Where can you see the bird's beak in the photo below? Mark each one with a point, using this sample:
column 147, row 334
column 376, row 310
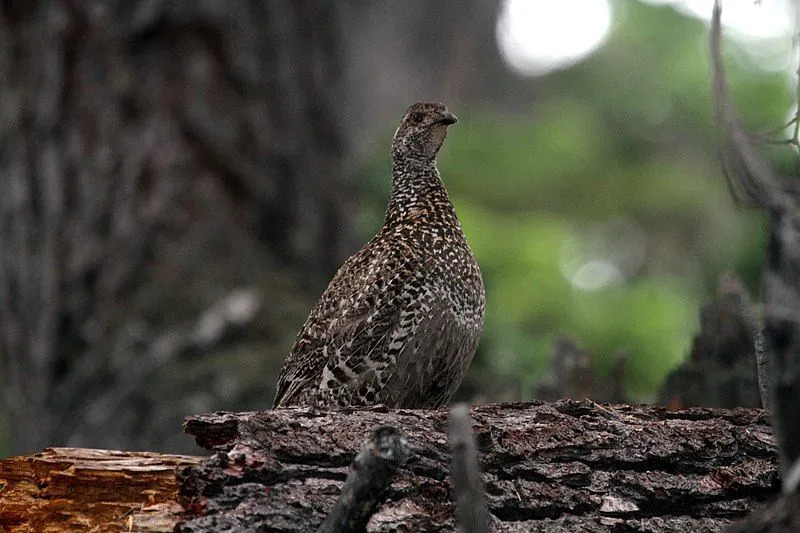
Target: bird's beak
column 447, row 119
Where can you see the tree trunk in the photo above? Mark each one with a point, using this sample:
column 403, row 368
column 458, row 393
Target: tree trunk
column 159, row 160
column 566, row 466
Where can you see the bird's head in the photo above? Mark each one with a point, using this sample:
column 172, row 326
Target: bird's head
column 422, row 131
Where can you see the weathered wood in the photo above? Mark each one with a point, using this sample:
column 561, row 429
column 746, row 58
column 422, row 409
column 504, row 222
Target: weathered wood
column 762, row 367
column 565, row 466
column 77, row 489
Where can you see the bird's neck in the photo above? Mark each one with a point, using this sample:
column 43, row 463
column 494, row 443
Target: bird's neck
column 418, row 195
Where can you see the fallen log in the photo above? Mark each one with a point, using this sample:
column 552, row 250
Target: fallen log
column 78, row 489
column 564, row 466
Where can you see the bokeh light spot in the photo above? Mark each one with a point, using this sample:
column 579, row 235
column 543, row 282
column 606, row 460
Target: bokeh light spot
column 538, row 37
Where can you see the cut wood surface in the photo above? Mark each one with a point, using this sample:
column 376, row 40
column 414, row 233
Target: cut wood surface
column 562, row 467
column 78, row 489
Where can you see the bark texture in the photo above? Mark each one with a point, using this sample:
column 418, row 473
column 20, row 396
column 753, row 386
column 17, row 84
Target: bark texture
column 72, row 489
column 562, row 467
column 469, row 493
column 157, row 158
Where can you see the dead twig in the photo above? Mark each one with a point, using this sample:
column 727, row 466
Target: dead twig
column 472, row 515
column 762, row 367
column 365, row 488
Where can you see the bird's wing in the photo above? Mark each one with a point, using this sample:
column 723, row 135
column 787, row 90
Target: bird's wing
column 413, row 354
column 365, row 353
column 433, row 361
column 344, row 325
column 302, row 370
column 305, row 361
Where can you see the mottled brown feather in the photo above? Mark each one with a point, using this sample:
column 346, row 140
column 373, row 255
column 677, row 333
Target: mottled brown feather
column 400, row 321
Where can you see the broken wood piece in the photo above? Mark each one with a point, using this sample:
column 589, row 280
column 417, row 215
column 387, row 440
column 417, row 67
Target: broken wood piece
column 762, row 367
column 720, row 370
column 68, row 489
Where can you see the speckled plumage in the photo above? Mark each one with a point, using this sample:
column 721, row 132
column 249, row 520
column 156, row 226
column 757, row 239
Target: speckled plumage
column 400, row 321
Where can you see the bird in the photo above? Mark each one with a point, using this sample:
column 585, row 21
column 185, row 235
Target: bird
column 400, row 321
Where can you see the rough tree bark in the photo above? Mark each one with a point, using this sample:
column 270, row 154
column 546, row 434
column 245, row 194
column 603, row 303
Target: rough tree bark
column 567, row 466
column 469, row 493
column 155, row 158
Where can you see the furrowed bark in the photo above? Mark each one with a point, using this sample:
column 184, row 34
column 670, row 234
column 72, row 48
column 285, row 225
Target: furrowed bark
column 547, row 467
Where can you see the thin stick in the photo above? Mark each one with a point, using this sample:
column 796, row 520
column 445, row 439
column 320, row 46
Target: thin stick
column 472, row 515
column 762, row 368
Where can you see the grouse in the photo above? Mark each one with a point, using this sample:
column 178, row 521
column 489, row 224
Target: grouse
column 400, row 322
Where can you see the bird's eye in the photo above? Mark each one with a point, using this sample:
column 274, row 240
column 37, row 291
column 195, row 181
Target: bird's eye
column 417, row 117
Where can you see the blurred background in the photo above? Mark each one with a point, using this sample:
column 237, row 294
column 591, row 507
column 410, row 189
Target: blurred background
column 180, row 179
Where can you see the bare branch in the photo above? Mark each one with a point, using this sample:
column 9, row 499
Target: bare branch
column 762, row 367
column 748, row 176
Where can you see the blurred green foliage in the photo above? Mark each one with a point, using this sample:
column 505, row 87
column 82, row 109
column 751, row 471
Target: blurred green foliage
column 597, row 209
